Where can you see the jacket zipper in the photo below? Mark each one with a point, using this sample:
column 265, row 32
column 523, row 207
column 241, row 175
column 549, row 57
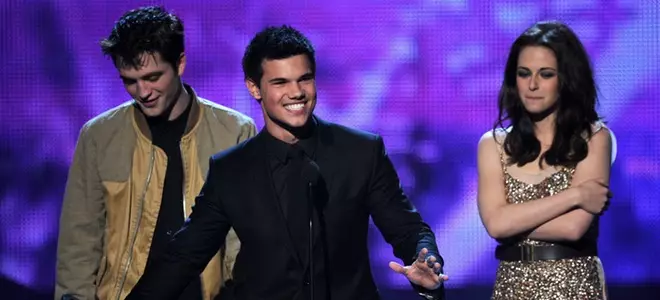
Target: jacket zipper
column 137, row 227
column 183, row 161
column 185, row 215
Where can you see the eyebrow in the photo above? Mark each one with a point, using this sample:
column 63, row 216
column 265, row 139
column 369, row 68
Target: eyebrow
column 278, row 79
column 282, row 79
column 150, row 74
column 541, row 69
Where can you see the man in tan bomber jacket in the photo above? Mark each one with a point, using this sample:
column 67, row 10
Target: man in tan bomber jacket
column 138, row 167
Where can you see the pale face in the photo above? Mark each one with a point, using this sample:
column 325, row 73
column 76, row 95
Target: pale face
column 155, row 85
column 537, row 79
column 287, row 93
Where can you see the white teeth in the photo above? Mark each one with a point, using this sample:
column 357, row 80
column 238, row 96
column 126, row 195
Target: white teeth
column 294, row 107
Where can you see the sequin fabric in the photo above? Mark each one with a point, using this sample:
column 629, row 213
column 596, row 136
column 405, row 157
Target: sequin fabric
column 580, row 278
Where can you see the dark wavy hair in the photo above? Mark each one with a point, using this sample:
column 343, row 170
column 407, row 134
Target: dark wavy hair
column 275, row 42
column 576, row 109
column 145, row 30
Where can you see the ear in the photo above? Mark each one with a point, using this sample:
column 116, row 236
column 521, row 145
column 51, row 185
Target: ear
column 253, row 89
column 182, row 64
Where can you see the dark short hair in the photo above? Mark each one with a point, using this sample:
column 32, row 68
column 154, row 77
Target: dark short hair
column 149, row 30
column 576, row 110
column 275, row 43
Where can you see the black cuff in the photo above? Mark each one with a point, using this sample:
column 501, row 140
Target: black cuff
column 437, row 294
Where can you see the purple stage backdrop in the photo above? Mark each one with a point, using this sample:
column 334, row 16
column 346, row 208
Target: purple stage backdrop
column 424, row 74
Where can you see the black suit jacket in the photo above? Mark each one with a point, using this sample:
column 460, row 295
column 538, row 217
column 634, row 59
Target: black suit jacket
column 357, row 180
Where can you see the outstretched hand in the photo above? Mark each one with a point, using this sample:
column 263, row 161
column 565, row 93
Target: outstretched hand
column 423, row 272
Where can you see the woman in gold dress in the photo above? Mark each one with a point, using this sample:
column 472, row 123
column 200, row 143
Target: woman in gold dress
column 543, row 179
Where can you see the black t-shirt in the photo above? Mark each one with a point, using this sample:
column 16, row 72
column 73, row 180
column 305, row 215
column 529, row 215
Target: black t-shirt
column 166, row 135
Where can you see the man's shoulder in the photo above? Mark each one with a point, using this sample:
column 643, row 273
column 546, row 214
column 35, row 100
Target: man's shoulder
column 349, row 134
column 223, row 113
column 109, row 120
column 234, row 154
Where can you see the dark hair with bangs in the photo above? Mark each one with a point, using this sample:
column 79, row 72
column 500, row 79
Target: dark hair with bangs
column 145, row 30
column 576, row 110
column 275, row 43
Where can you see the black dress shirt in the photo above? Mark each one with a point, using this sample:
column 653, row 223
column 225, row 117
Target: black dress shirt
column 285, row 162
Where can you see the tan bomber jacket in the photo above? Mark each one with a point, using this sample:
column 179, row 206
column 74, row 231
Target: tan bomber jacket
column 113, row 196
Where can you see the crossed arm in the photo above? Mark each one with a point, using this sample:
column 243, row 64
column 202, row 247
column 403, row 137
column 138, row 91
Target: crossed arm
column 554, row 218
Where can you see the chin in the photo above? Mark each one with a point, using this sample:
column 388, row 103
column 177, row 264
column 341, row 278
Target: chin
column 297, row 122
column 152, row 111
column 535, row 108
column 539, row 111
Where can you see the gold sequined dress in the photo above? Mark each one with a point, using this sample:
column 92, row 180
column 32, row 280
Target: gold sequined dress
column 579, row 278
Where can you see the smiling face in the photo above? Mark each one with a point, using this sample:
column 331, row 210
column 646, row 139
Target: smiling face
column 287, row 94
column 155, row 85
column 537, row 79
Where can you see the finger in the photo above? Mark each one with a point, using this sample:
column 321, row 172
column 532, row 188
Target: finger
column 436, row 268
column 443, row 277
column 606, row 205
column 431, row 261
column 601, row 183
column 398, row 268
column 422, row 254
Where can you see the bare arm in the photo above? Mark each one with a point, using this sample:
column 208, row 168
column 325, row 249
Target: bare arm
column 596, row 166
column 501, row 219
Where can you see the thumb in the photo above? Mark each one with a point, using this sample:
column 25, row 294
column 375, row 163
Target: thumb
column 397, row 268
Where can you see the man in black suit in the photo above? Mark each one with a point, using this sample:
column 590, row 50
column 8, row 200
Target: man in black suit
column 268, row 187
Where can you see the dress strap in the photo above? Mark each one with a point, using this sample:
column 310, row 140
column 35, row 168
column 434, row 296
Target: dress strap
column 571, row 170
column 597, row 126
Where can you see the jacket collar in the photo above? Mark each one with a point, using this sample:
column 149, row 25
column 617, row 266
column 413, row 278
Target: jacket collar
column 193, row 118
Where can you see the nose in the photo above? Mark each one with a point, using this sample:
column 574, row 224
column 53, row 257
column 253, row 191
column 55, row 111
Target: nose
column 143, row 90
column 296, row 91
column 533, row 83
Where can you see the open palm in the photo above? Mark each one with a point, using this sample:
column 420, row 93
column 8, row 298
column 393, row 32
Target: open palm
column 423, row 272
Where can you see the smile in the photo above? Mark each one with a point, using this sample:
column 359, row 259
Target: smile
column 298, row 106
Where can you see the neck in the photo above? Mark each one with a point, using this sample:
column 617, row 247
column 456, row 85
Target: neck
column 281, row 133
column 287, row 134
column 180, row 104
column 544, row 129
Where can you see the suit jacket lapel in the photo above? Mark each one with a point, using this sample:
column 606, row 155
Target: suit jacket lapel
column 327, row 161
column 265, row 192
